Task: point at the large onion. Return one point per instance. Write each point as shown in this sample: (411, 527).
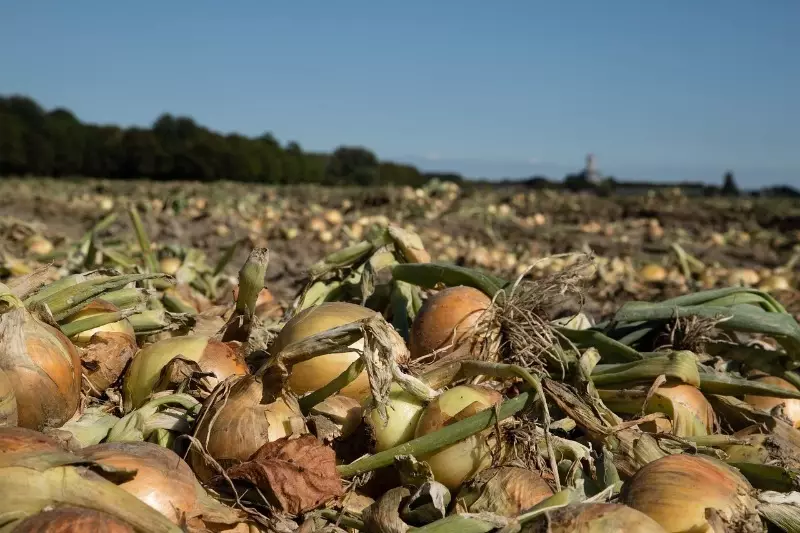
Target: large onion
(403, 412)
(693, 400)
(211, 355)
(72, 520)
(42, 367)
(14, 439)
(594, 518)
(446, 320)
(507, 491)
(676, 490)
(454, 464)
(791, 407)
(163, 480)
(315, 373)
(234, 426)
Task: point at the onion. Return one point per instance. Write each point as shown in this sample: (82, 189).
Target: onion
(653, 273)
(791, 407)
(693, 400)
(72, 520)
(595, 518)
(38, 245)
(211, 355)
(97, 307)
(169, 265)
(446, 320)
(42, 366)
(344, 412)
(8, 402)
(315, 373)
(163, 480)
(403, 412)
(676, 490)
(454, 464)
(233, 427)
(507, 491)
(13, 440)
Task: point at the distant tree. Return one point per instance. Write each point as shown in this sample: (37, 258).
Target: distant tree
(353, 164)
(729, 187)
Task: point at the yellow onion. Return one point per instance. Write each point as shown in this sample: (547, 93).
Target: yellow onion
(106, 349)
(8, 402)
(507, 491)
(693, 400)
(403, 412)
(212, 356)
(446, 320)
(676, 490)
(233, 426)
(595, 518)
(315, 373)
(38, 245)
(456, 463)
(72, 520)
(653, 273)
(16, 439)
(791, 407)
(43, 368)
(163, 480)
(169, 265)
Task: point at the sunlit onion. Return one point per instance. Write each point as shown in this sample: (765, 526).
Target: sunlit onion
(693, 400)
(595, 518)
(169, 265)
(317, 372)
(72, 520)
(507, 491)
(676, 490)
(790, 407)
(16, 439)
(403, 412)
(454, 464)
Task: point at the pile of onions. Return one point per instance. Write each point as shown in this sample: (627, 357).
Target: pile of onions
(72, 520)
(233, 427)
(315, 373)
(790, 407)
(676, 490)
(106, 349)
(507, 491)
(594, 518)
(403, 412)
(163, 480)
(447, 320)
(456, 463)
(212, 356)
(41, 366)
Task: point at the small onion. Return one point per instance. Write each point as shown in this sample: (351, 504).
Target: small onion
(15, 439)
(43, 368)
(163, 480)
(72, 520)
(653, 273)
(693, 400)
(456, 463)
(791, 407)
(97, 307)
(169, 265)
(403, 412)
(446, 320)
(211, 355)
(38, 245)
(676, 490)
(594, 518)
(315, 373)
(507, 491)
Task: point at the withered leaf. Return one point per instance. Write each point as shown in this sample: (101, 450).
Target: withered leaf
(105, 358)
(299, 473)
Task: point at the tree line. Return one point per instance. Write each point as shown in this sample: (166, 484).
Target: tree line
(37, 142)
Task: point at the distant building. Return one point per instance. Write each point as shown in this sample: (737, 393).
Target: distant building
(590, 172)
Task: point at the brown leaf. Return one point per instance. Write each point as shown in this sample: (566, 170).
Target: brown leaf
(298, 473)
(105, 358)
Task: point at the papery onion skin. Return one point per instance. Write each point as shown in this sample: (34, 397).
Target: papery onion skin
(506, 490)
(8, 402)
(791, 407)
(72, 520)
(232, 429)
(593, 518)
(456, 463)
(676, 490)
(163, 480)
(693, 400)
(403, 414)
(342, 410)
(315, 373)
(145, 368)
(445, 321)
(16, 439)
(43, 368)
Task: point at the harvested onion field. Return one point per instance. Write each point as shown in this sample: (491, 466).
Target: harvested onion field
(444, 359)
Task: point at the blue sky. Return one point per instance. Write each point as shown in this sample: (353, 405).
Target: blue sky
(679, 89)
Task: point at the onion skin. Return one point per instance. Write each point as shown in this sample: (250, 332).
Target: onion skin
(72, 520)
(43, 368)
(403, 414)
(507, 491)
(693, 400)
(163, 480)
(145, 368)
(315, 373)
(8, 402)
(22, 440)
(676, 490)
(791, 407)
(594, 518)
(456, 463)
(446, 320)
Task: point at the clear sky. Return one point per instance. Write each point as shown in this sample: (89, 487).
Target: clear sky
(673, 89)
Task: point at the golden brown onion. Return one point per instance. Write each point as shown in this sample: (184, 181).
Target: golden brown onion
(43, 368)
(676, 490)
(456, 463)
(446, 320)
(791, 407)
(594, 518)
(211, 355)
(13, 440)
(163, 480)
(693, 400)
(72, 520)
(507, 491)
(315, 373)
